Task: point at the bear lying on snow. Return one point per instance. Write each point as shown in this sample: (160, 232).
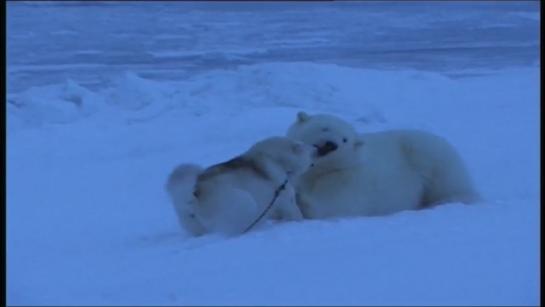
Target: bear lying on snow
(376, 173)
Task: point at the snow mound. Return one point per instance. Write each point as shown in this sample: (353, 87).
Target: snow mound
(63, 103)
(368, 97)
(132, 98)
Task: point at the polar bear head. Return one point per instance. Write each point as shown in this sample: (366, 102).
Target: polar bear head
(293, 156)
(335, 139)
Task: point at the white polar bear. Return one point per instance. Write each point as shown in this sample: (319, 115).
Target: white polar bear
(376, 173)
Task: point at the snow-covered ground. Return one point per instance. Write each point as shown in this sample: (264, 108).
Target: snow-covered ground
(89, 223)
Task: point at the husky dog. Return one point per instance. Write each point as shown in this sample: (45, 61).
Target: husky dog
(229, 196)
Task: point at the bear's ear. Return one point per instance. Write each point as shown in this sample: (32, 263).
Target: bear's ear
(302, 117)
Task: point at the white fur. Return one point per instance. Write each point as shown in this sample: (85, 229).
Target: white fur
(230, 200)
(377, 173)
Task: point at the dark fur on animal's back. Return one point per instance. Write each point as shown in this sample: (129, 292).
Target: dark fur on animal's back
(237, 163)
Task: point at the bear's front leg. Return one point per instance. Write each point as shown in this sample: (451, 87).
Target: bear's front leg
(303, 204)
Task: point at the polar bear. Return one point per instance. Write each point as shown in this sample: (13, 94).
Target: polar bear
(376, 173)
(228, 197)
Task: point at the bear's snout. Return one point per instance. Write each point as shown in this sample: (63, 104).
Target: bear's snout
(326, 148)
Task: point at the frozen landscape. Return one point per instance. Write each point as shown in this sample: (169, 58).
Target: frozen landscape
(105, 98)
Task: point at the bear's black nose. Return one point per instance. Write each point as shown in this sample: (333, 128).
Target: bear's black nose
(326, 148)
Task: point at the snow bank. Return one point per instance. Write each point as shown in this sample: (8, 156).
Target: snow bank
(89, 221)
(368, 96)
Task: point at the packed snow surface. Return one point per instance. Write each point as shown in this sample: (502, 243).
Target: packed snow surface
(88, 219)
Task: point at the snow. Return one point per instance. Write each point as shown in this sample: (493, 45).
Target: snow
(89, 222)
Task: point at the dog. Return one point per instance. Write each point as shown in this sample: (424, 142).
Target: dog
(227, 197)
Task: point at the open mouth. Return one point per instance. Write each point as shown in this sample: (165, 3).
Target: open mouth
(325, 148)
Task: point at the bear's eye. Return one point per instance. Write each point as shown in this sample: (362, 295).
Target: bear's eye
(345, 140)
